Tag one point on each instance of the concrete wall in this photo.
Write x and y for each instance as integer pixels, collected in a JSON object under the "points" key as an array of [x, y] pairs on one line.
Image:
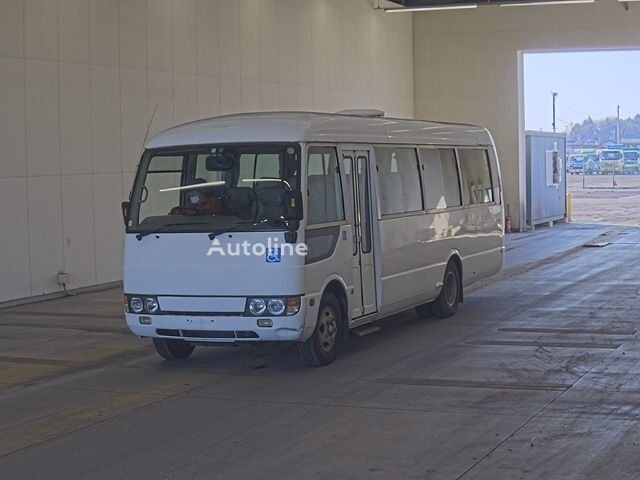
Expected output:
{"points": [[467, 64], [80, 78]]}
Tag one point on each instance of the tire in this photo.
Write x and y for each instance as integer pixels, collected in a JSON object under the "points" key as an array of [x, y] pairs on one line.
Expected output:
{"points": [[425, 310], [446, 305], [173, 349], [321, 348]]}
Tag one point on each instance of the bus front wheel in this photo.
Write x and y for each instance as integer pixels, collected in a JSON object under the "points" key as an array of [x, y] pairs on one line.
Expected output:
{"points": [[320, 349], [173, 349]]}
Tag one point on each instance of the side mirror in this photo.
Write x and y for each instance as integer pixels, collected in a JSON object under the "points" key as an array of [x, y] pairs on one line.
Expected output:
{"points": [[126, 206], [292, 203]]}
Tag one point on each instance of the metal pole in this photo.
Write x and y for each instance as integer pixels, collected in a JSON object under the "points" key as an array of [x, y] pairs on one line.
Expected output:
{"points": [[618, 127], [553, 123], [617, 143]]}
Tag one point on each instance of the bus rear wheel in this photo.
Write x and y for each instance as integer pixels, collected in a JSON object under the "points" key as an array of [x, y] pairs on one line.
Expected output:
{"points": [[446, 304], [320, 349], [173, 349]]}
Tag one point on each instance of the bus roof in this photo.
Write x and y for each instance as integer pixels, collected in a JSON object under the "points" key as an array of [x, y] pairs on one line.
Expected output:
{"points": [[318, 127]]}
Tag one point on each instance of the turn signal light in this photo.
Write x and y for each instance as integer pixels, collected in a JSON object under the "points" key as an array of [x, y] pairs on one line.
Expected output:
{"points": [[293, 305]]}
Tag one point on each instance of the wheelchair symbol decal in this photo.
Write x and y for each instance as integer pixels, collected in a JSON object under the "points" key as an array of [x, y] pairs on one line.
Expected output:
{"points": [[274, 255]]}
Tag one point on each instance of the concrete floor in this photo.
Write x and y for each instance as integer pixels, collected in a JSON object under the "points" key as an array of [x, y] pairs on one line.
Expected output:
{"points": [[537, 377], [595, 201]]}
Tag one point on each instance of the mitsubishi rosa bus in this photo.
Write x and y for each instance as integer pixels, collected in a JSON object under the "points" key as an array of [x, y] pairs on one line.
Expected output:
{"points": [[300, 227]]}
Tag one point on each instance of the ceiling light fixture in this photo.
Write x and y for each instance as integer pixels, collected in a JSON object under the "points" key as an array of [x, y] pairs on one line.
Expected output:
{"points": [[534, 3], [431, 8]]}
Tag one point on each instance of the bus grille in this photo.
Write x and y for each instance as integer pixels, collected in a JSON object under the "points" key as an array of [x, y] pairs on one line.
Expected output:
{"points": [[207, 333]]}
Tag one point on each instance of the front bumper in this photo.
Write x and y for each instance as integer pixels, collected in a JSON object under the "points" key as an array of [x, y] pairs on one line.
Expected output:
{"points": [[217, 329]]}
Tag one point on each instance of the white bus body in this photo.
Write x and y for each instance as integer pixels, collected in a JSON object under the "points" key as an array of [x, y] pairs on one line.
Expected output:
{"points": [[395, 213]]}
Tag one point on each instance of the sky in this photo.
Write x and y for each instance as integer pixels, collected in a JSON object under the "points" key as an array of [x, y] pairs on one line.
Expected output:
{"points": [[588, 84]]}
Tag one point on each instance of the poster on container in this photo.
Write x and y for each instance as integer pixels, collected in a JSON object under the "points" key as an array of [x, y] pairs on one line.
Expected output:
{"points": [[554, 168]]}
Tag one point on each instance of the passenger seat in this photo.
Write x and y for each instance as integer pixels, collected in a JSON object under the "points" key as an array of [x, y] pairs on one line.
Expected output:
{"points": [[243, 202], [269, 200]]}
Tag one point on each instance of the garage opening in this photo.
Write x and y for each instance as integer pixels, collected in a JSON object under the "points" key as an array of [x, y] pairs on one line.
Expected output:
{"points": [[582, 136]]}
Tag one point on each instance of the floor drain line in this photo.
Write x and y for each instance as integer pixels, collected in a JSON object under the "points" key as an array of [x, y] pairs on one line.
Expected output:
{"points": [[486, 384]]}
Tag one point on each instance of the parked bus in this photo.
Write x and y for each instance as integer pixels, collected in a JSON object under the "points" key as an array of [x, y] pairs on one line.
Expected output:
{"points": [[302, 226], [631, 160], [611, 162], [592, 164]]}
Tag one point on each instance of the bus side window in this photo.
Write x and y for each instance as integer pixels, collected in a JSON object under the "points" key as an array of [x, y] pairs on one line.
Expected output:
{"points": [[268, 166], [324, 187], [399, 180], [364, 201], [164, 172], [441, 178], [350, 199], [247, 169]]}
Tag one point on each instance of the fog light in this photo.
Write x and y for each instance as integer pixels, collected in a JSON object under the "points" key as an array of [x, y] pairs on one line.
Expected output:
{"points": [[265, 322], [144, 320]]}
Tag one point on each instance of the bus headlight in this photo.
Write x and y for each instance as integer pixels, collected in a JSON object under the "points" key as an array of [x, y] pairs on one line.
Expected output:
{"points": [[136, 304], [272, 306], [143, 304], [257, 306], [276, 306], [151, 305]]}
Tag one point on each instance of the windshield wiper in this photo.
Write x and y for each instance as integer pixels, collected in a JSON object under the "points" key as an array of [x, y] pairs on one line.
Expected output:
{"points": [[231, 228], [241, 225], [164, 228]]}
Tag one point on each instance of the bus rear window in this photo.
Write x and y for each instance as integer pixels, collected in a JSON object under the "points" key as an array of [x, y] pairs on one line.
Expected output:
{"points": [[476, 176]]}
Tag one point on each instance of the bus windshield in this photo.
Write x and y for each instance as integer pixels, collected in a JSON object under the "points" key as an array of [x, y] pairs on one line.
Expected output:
{"points": [[213, 188], [611, 155], [632, 156]]}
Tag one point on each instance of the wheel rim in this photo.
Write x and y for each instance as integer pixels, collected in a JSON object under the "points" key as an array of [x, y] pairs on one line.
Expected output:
{"points": [[450, 289], [327, 329]]}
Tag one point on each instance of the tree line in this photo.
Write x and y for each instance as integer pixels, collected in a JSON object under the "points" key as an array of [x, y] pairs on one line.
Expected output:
{"points": [[603, 132]]}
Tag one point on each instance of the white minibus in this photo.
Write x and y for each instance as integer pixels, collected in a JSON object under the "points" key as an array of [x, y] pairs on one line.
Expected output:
{"points": [[300, 227]]}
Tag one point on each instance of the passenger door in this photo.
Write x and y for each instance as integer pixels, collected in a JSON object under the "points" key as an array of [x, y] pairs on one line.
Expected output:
{"points": [[358, 186]]}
